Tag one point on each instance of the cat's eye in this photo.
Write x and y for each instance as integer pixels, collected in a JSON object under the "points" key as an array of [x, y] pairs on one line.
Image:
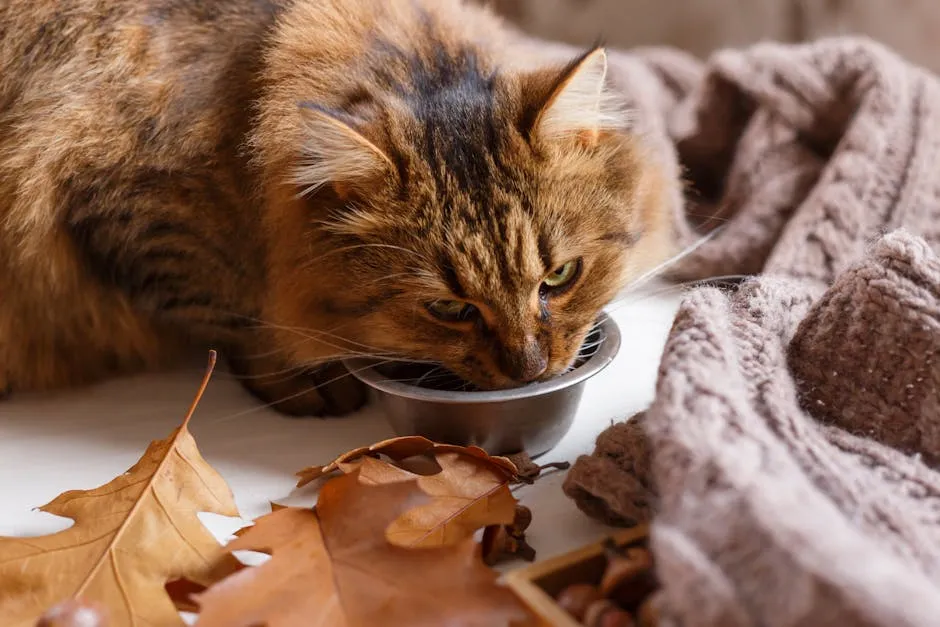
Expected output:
{"points": [[452, 310], [562, 277]]}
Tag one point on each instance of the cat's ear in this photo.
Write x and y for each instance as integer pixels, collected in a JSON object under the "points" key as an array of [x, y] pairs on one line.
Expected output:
{"points": [[579, 103], [336, 153]]}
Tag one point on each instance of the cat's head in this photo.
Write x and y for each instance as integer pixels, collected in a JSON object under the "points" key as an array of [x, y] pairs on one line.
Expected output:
{"points": [[476, 219]]}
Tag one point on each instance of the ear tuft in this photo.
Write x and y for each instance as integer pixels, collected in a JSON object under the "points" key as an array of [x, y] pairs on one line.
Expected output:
{"points": [[335, 153], [581, 104]]}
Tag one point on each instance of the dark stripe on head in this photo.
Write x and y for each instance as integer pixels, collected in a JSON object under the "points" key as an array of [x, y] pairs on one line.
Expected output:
{"points": [[520, 251], [450, 277], [545, 252], [527, 207], [500, 233], [401, 167], [356, 97], [453, 99]]}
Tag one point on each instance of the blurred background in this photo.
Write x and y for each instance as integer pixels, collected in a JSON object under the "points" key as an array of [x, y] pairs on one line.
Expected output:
{"points": [[911, 27]]}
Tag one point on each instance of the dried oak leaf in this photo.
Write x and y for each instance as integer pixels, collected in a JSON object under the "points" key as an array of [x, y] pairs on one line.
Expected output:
{"points": [[470, 491], [131, 536], [333, 566], [402, 448]]}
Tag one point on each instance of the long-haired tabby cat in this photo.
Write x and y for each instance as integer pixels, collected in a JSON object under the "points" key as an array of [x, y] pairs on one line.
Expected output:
{"points": [[294, 181]]}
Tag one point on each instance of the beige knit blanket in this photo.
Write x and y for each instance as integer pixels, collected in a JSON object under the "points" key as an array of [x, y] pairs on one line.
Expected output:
{"points": [[789, 460]]}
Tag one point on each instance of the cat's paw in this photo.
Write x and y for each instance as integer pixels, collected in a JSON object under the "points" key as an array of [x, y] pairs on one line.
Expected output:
{"points": [[327, 391]]}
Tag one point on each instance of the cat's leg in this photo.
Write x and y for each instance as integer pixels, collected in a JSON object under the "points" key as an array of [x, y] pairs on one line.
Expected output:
{"points": [[182, 249]]}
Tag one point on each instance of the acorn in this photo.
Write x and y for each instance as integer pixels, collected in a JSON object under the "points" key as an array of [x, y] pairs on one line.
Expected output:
{"points": [[502, 542], [521, 521], [628, 577], [499, 545], [576, 598]]}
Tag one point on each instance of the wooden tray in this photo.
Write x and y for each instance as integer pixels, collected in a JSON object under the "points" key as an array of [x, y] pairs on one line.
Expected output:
{"points": [[536, 585]]}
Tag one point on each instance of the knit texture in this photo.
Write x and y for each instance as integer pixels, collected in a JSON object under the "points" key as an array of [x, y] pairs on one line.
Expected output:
{"points": [[788, 463]]}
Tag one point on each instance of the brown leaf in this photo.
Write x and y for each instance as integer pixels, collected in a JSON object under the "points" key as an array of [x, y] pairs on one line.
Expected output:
{"points": [[333, 566], [466, 496], [130, 537], [400, 449], [470, 491]]}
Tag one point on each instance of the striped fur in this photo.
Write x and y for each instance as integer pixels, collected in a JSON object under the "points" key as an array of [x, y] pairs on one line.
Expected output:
{"points": [[292, 182]]}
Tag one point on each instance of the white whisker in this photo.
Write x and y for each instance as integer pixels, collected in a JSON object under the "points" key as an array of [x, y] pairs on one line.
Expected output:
{"points": [[671, 289], [317, 335], [425, 376], [390, 276], [293, 396], [654, 272]]}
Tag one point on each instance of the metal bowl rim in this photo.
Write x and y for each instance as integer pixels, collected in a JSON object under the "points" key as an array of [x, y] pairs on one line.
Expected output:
{"points": [[362, 369]]}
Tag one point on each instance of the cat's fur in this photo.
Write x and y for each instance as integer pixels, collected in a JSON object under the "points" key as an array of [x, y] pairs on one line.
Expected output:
{"points": [[291, 182]]}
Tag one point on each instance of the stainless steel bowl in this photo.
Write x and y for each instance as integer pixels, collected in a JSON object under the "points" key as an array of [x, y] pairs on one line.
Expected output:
{"points": [[531, 418]]}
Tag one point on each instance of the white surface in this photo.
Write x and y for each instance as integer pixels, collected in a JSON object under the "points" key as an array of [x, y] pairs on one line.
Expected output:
{"points": [[82, 439]]}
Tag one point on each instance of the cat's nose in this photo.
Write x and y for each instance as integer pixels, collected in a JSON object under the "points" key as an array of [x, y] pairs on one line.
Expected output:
{"points": [[524, 364]]}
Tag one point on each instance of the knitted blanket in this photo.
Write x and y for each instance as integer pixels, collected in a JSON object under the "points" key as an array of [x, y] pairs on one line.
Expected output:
{"points": [[789, 460]]}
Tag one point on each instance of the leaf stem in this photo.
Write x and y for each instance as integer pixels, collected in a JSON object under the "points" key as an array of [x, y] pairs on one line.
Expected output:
{"points": [[202, 388]]}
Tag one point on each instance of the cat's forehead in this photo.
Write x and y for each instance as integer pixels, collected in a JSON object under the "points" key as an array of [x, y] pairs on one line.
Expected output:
{"points": [[463, 162], [455, 127], [500, 252]]}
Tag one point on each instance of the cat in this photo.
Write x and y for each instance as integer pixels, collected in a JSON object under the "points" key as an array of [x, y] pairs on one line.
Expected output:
{"points": [[294, 182]]}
